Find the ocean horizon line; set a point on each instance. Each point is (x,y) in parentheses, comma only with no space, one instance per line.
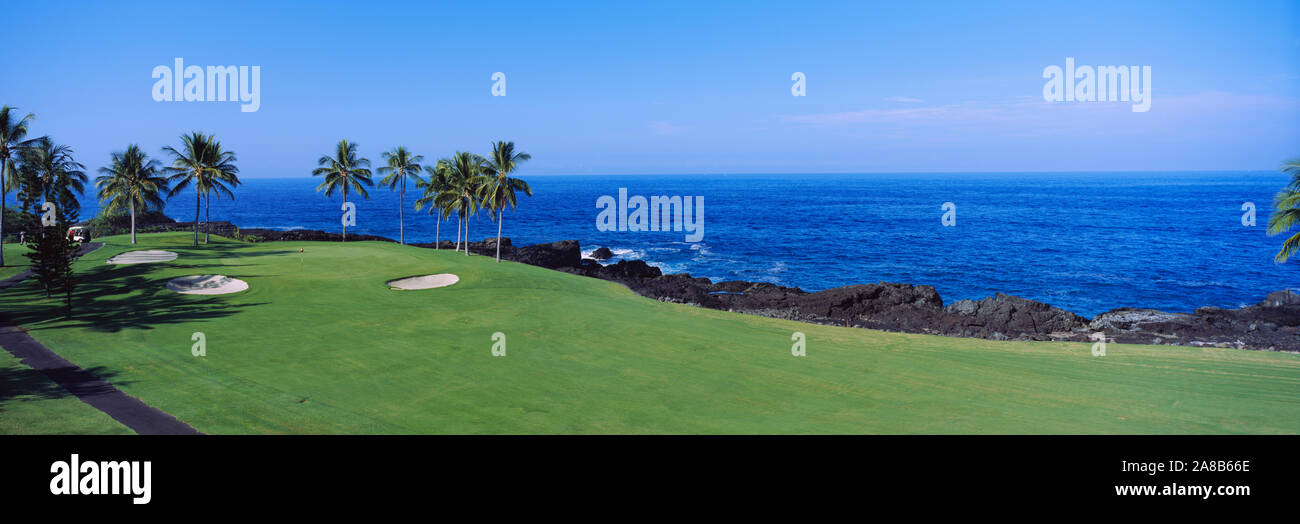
(875,173)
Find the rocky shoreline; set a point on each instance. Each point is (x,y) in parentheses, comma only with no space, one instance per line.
(1273,324)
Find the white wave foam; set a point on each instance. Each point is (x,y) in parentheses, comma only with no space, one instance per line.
(617,253)
(667,268)
(276,228)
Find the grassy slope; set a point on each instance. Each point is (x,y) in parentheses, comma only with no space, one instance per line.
(325,347)
(30,403)
(15,262)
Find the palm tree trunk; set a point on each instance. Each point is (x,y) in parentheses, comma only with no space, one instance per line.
(401,216)
(198,206)
(437,231)
(466,234)
(345,204)
(132,222)
(207,219)
(499,218)
(458,232)
(4,167)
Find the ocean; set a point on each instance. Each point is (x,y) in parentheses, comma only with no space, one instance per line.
(1086,242)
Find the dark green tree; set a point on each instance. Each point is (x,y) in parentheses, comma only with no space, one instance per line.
(47,173)
(52,254)
(13,130)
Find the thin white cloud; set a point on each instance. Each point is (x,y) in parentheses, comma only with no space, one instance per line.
(903,99)
(912,115)
(1176,115)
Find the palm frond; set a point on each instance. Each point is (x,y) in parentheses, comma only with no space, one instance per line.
(1286,214)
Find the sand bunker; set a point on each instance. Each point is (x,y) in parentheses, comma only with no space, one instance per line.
(425,282)
(206,285)
(142,257)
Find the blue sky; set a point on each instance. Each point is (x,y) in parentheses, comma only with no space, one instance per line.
(666,87)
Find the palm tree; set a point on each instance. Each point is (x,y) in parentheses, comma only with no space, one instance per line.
(11,144)
(1286,214)
(401,165)
(466,176)
(498,190)
(449,201)
(437,184)
(343,170)
(203,164)
(217,185)
(58,175)
(132,180)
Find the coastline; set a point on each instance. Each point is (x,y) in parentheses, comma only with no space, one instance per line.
(1273,324)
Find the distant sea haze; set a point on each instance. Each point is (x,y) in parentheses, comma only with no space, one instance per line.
(1086,242)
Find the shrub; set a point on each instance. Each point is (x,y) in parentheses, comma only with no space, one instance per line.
(120,223)
(16,222)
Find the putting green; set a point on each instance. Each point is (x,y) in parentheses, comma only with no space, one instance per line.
(321,345)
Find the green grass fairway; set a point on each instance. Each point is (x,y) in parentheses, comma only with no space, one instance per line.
(31,404)
(15,262)
(324,347)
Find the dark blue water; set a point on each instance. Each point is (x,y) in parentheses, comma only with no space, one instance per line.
(1084,242)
